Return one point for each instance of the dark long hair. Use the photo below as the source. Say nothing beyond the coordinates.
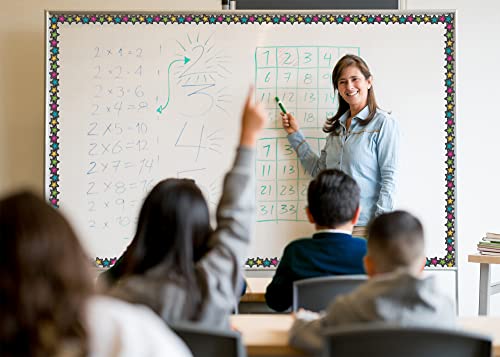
(332, 124)
(44, 280)
(173, 230)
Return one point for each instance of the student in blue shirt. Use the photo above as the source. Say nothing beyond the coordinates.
(333, 207)
(363, 140)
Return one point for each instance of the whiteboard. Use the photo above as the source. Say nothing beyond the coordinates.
(134, 98)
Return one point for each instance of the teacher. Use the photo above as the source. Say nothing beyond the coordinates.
(362, 140)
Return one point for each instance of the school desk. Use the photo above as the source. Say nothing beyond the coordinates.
(254, 300)
(267, 335)
(486, 287)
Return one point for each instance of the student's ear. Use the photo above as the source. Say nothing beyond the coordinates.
(309, 216)
(369, 266)
(355, 218)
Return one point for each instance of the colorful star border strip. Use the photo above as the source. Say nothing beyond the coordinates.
(105, 262)
(446, 20)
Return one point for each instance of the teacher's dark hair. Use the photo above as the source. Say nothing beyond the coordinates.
(332, 198)
(44, 280)
(332, 124)
(173, 231)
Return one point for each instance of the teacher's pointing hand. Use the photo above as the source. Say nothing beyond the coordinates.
(289, 123)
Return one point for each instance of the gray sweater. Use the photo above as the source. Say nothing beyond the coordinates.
(219, 271)
(398, 297)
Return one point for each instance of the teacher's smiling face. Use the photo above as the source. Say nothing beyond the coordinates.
(353, 88)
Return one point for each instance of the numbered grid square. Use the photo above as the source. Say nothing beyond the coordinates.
(266, 57)
(302, 186)
(348, 51)
(266, 191)
(266, 211)
(273, 119)
(328, 57)
(301, 211)
(307, 118)
(266, 78)
(266, 170)
(307, 98)
(287, 211)
(308, 78)
(287, 77)
(266, 149)
(325, 78)
(308, 57)
(288, 57)
(285, 150)
(327, 99)
(266, 97)
(288, 97)
(287, 191)
(288, 169)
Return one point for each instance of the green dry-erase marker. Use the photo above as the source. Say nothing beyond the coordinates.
(280, 104)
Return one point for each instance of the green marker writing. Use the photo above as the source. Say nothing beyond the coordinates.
(280, 105)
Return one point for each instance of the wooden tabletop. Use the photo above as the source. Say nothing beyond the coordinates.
(267, 335)
(486, 325)
(256, 290)
(488, 259)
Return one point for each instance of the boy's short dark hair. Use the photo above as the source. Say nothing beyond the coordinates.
(333, 198)
(395, 240)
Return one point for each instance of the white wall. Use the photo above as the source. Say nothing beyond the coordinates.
(478, 126)
(478, 80)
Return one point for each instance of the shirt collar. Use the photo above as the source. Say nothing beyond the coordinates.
(362, 115)
(343, 231)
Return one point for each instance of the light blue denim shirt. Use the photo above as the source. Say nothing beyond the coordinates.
(369, 154)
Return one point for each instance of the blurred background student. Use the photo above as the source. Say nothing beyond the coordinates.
(47, 305)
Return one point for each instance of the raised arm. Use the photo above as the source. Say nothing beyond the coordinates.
(222, 266)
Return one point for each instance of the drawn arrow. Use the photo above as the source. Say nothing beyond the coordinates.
(161, 108)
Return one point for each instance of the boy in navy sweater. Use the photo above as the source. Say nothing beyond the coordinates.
(333, 207)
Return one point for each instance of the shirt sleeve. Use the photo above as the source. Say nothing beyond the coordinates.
(279, 293)
(387, 156)
(307, 335)
(222, 265)
(309, 159)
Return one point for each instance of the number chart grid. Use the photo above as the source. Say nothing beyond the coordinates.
(301, 78)
(281, 180)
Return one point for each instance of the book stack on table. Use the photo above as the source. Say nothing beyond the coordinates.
(490, 244)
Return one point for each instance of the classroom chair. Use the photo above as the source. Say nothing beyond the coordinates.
(384, 340)
(315, 294)
(206, 342)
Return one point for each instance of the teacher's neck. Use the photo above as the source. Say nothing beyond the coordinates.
(354, 110)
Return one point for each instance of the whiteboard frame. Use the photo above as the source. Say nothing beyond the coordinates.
(438, 17)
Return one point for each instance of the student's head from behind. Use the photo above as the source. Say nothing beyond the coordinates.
(333, 199)
(395, 241)
(44, 278)
(173, 228)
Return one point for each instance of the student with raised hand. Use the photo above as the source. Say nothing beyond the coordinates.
(48, 307)
(176, 264)
(362, 140)
(333, 207)
(396, 291)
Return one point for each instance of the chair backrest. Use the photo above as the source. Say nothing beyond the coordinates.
(205, 342)
(315, 294)
(377, 340)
